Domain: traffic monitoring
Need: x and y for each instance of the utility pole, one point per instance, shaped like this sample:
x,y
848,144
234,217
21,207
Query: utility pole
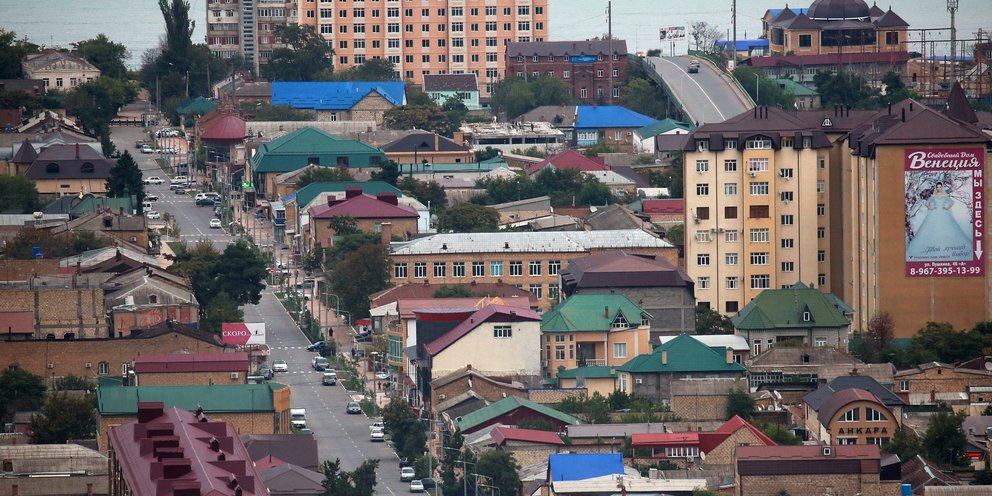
x,y
609,34
733,21
952,7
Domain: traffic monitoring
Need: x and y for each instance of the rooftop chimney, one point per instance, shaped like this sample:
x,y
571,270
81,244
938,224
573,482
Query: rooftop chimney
x,y
387,197
174,468
387,233
352,191
437,142
606,312
149,410
730,355
664,357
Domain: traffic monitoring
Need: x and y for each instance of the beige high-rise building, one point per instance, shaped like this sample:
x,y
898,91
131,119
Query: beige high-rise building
x,y
756,203
419,37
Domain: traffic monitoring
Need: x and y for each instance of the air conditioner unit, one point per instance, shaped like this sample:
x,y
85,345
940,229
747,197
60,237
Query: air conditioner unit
x,y
713,231
638,381
234,375
89,365
827,451
752,173
441,396
695,219
51,365
787,201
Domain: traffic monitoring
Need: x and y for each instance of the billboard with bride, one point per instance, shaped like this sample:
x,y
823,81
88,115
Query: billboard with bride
x,y
944,220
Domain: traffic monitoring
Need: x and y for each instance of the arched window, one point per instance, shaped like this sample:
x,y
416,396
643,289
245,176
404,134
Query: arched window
x,y
152,299
86,168
69,336
852,415
873,415
52,168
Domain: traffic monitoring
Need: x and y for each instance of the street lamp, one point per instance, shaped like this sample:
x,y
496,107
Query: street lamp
x,y
464,469
952,7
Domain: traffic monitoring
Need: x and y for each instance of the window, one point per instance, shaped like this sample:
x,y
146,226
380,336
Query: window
x,y
478,269
535,267
788,220
553,292
904,385
559,352
516,268
399,270
821,186
786,196
821,279
821,209
731,282
703,213
583,93
620,322
490,10
821,256
703,259
554,266
703,282
703,189
703,236
702,145
730,236
495,269
786,173
788,243
759,188
788,266
420,270
103,368
758,144
820,341
730,166
730,189
440,269
892,37
457,269
502,332
730,212
821,232
757,165
758,211
619,350
760,281
566,74
730,258
702,166
616,91
759,258
805,40
852,415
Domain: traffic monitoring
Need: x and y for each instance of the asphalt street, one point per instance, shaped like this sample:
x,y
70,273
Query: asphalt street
x,y
338,434
706,95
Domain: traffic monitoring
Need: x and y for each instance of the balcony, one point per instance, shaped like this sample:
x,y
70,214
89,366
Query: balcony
x,y
592,362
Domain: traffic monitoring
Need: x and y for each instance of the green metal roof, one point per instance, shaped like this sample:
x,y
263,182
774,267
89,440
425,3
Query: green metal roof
x,y
795,88
91,203
507,405
307,194
198,105
216,398
292,151
662,126
784,308
591,372
483,166
684,354
591,312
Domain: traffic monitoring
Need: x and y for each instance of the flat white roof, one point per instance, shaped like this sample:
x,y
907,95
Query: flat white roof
x,y
529,242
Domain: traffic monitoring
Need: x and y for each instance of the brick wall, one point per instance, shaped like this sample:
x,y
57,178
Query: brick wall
x,y
492,392
847,484
940,382
22,270
554,396
191,378
71,357
699,407
126,319
528,453
59,311
723,454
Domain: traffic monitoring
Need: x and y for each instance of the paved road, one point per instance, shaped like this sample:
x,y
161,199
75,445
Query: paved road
x,y
706,95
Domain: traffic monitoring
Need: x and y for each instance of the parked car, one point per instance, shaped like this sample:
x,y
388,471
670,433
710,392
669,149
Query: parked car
x,y
377,424
218,212
153,180
213,196
318,346
147,149
153,215
138,144
215,224
382,376
280,366
318,363
179,190
329,379
266,372
405,462
151,198
416,486
353,408
298,418
377,436
407,474
204,202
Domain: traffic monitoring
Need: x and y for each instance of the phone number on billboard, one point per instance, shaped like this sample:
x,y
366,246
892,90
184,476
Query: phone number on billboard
x,y
945,271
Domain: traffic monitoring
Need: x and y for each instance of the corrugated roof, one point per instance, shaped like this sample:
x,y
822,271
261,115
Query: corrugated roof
x,y
191,362
423,142
335,95
287,478
563,48
489,313
25,154
507,405
667,206
609,116
529,242
786,308
666,438
807,452
226,128
581,466
198,105
504,433
291,448
733,341
621,269
310,192
788,84
363,207
215,398
75,161
588,372
661,127
450,82
569,159
592,313
293,151
684,354
891,20
839,400
17,322
817,398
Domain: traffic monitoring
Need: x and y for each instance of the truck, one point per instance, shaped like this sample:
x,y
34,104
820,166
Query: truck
x,y
298,418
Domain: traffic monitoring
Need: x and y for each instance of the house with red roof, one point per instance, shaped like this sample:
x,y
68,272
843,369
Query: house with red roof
x,y
381,213
713,447
176,451
815,469
664,210
527,445
181,369
496,340
570,159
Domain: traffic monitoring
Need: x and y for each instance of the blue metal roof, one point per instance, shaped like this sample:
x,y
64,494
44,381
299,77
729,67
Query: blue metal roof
x,y
589,117
581,466
335,95
742,44
775,12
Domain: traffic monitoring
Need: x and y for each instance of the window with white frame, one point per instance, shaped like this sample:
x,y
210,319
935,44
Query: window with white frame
x,y
399,270
535,289
759,143
731,282
103,368
682,452
703,189
440,269
535,267
516,268
759,235
730,189
730,258
821,256
788,220
495,269
904,385
457,269
788,243
502,331
703,259
821,232
759,188
760,281
702,145
703,282
788,266
852,415
644,320
703,236
702,166
478,269
786,196
619,350
730,144
554,266
821,279
821,163
820,341
786,173
620,322
757,165
731,236
759,258
821,186
553,292
730,166
821,209
420,270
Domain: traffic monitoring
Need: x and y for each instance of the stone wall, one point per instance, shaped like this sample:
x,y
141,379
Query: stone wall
x,y
799,484
554,396
59,311
22,270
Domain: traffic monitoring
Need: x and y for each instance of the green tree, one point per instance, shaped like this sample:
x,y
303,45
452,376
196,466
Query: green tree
x,y
468,217
515,96
126,176
305,58
389,172
456,111
343,225
704,36
781,435
73,382
710,321
95,103
178,29
378,69
904,443
52,245
359,482
645,97
22,389
502,190
427,117
842,89
220,309
240,272
429,193
944,440
12,51
406,430
594,192
763,89
895,90
739,403
500,470
704,492
458,291
64,418
269,112
323,174
360,274
18,193
869,345
18,100
595,150
676,235
106,55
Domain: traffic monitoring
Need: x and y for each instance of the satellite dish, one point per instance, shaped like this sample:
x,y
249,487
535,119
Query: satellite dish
x,y
988,365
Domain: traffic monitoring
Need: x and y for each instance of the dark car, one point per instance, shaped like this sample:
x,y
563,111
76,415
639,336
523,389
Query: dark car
x,y
353,408
693,67
406,462
204,202
179,191
265,372
318,346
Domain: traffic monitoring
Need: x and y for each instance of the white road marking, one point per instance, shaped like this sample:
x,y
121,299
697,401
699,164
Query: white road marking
x,y
686,75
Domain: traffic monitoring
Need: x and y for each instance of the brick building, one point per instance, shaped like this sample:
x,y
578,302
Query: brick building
x,y
491,389
147,296
526,445
60,308
181,369
52,470
852,410
371,215
713,447
101,357
933,382
249,408
595,71
769,470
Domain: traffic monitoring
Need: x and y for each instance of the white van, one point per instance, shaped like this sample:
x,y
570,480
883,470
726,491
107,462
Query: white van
x,y
298,418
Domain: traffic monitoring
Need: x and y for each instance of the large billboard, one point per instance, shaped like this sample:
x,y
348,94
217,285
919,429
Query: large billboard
x,y
944,212
241,333
671,33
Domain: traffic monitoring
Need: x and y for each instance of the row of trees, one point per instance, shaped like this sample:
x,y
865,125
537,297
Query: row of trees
x,y
564,187
936,341
60,416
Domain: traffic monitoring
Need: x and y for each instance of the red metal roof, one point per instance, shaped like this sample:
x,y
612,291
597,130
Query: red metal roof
x,y
409,307
666,439
16,322
807,452
362,207
705,441
226,128
663,206
570,159
177,451
491,313
502,434
191,362
828,59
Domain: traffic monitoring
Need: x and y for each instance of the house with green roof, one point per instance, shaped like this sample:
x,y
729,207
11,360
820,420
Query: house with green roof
x,y
651,375
251,408
804,98
511,411
309,145
798,314
319,193
593,330
594,378
644,137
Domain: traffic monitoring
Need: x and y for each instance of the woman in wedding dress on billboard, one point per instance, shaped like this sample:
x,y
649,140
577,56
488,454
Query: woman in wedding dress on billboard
x,y
940,236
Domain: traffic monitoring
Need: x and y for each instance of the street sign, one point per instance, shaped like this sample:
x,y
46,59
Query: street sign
x,y
241,333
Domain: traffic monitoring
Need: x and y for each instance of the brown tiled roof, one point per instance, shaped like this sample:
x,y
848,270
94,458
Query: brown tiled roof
x,y
808,459
908,123
72,161
782,16
419,291
490,313
840,399
450,82
918,472
423,142
191,362
563,48
770,122
622,269
290,448
800,21
891,20
958,106
25,154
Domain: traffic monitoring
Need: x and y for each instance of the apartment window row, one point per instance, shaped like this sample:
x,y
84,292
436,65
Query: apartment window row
x,y
478,269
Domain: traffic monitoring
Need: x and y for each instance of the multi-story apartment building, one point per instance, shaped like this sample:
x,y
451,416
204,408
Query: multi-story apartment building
x,y
443,37
756,193
595,71
527,260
